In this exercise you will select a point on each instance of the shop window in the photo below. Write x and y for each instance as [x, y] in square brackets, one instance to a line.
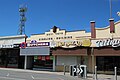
[108, 63]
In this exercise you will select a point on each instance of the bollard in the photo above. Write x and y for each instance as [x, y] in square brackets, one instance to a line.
[85, 69]
[64, 69]
[95, 72]
[115, 77]
[70, 70]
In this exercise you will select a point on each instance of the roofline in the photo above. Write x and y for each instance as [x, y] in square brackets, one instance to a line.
[16, 36]
[61, 30]
[107, 26]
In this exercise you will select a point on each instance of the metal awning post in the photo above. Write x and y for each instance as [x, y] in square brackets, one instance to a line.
[25, 64]
[115, 76]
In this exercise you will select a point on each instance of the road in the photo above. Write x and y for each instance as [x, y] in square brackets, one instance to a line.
[19, 74]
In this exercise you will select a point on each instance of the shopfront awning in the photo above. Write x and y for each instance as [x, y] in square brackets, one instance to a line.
[108, 51]
[71, 52]
[31, 51]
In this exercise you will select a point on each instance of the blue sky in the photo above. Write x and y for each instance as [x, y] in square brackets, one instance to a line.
[42, 15]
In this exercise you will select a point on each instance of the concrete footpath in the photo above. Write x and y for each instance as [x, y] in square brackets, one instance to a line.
[89, 76]
[99, 76]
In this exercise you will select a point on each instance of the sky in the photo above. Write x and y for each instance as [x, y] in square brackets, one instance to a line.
[42, 15]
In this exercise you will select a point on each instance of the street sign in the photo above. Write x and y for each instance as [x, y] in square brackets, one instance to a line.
[74, 69]
[78, 70]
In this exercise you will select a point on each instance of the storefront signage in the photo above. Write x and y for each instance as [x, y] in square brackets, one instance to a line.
[6, 46]
[107, 42]
[51, 57]
[35, 51]
[43, 43]
[71, 43]
[9, 45]
[35, 43]
[16, 45]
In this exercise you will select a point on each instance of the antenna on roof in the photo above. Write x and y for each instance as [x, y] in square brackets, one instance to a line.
[22, 10]
[118, 13]
[110, 1]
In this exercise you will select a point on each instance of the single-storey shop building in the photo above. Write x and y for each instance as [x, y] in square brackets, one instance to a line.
[106, 47]
[10, 51]
[66, 48]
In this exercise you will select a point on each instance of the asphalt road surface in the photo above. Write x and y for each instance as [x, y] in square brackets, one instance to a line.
[21, 74]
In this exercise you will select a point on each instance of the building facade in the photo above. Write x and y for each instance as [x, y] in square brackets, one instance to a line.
[100, 47]
[10, 51]
[66, 47]
[106, 47]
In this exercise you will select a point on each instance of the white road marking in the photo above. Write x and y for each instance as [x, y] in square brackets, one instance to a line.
[32, 77]
[44, 78]
[7, 74]
[9, 78]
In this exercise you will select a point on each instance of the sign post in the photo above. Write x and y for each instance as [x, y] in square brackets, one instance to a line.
[25, 65]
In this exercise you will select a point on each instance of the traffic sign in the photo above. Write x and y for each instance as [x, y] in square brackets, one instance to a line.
[78, 70]
[81, 71]
[74, 69]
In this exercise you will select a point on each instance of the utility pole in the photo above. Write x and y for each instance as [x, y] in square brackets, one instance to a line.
[22, 10]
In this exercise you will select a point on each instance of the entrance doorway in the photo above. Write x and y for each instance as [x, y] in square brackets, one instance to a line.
[107, 63]
[43, 62]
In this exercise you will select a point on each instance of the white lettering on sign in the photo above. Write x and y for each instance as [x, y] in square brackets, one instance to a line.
[34, 44]
[70, 43]
[108, 42]
[6, 46]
